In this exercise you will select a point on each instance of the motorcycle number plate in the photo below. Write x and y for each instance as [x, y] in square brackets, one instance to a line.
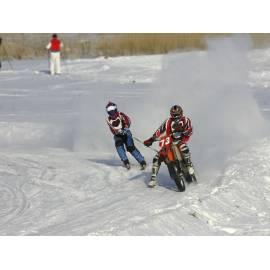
[165, 141]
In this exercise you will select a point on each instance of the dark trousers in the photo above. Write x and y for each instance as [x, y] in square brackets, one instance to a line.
[125, 143]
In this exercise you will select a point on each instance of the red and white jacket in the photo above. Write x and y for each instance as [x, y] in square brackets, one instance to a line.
[167, 128]
[118, 122]
[55, 45]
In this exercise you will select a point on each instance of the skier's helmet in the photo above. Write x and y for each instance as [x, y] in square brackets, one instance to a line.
[111, 108]
[176, 112]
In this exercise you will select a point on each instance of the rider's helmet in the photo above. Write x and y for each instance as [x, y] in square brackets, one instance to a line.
[111, 109]
[176, 112]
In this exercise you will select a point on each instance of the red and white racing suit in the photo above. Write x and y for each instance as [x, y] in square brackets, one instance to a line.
[167, 128]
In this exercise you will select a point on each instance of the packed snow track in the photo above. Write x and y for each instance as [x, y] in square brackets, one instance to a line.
[59, 171]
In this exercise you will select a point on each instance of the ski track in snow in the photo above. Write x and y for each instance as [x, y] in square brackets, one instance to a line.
[46, 188]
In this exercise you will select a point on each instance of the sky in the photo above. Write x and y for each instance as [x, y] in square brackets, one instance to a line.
[108, 16]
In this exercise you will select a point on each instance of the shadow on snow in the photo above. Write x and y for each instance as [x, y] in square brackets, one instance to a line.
[164, 179]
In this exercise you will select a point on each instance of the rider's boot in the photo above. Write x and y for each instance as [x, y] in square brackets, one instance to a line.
[153, 182]
[189, 164]
[155, 169]
[190, 167]
[187, 159]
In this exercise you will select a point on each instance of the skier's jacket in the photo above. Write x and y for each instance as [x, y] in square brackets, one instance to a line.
[169, 126]
[54, 45]
[118, 122]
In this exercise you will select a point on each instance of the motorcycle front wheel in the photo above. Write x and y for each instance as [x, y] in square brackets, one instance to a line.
[177, 176]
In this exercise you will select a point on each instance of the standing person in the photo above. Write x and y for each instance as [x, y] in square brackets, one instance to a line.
[119, 124]
[54, 47]
[179, 127]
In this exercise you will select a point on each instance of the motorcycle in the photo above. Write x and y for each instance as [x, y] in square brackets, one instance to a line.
[173, 158]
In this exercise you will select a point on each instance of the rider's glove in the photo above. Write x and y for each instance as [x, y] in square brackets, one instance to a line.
[120, 132]
[177, 135]
[149, 142]
[186, 133]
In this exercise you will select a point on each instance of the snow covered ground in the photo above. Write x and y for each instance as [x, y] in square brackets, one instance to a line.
[59, 172]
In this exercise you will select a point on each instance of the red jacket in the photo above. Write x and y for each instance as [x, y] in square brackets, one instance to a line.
[55, 45]
[167, 128]
[119, 121]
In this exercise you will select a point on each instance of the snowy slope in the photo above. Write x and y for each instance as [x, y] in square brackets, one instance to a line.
[60, 175]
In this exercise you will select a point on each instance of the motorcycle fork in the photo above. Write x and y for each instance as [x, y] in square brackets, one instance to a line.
[176, 152]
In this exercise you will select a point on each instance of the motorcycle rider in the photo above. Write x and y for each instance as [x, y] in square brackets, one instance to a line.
[119, 124]
[179, 127]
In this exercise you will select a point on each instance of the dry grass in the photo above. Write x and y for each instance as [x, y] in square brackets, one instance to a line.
[126, 44]
[261, 40]
[91, 45]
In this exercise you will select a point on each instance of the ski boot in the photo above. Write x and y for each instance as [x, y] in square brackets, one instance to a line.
[143, 165]
[126, 164]
[153, 182]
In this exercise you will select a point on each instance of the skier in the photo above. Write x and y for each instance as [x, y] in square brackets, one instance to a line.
[119, 124]
[54, 48]
[180, 128]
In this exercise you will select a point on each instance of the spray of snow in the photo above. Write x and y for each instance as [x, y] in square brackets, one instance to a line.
[92, 132]
[212, 88]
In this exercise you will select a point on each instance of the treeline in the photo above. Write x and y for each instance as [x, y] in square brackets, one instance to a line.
[21, 46]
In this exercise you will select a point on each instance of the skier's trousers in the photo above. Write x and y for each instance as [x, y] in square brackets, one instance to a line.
[125, 143]
[55, 67]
